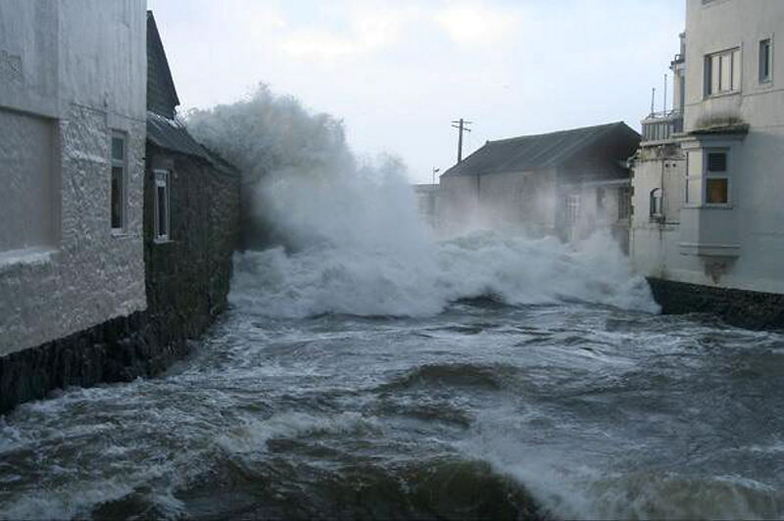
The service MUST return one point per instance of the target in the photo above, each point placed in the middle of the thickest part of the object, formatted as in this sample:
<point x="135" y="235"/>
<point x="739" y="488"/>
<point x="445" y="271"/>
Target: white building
<point x="72" y="138"/>
<point x="709" y="175"/>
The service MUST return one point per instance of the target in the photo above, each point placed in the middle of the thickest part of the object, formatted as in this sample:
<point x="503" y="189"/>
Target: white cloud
<point x="368" y="32"/>
<point x="478" y="24"/>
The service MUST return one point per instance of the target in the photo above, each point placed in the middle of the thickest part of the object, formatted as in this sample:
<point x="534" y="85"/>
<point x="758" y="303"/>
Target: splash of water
<point x="351" y="240"/>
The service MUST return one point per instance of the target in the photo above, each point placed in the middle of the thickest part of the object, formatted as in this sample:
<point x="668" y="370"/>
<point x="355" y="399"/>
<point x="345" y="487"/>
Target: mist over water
<point x="351" y="241"/>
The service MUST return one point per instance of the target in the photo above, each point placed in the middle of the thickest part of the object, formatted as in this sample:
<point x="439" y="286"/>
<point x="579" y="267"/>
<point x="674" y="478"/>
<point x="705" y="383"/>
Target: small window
<point x="765" y="60"/>
<point x="572" y="207"/>
<point x="624" y="202"/>
<point x="656" y="202"/>
<point x="600" y="198"/>
<point x="118" y="182"/>
<point x="717" y="162"/>
<point x="722" y="72"/>
<point x="162" y="206"/>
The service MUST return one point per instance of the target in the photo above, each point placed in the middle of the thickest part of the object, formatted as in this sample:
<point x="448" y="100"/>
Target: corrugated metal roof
<point x="540" y="151"/>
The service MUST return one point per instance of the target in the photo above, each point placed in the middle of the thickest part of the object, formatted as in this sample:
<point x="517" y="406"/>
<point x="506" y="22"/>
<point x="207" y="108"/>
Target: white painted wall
<point x="752" y="225"/>
<point x="513" y="200"/>
<point x="73" y="70"/>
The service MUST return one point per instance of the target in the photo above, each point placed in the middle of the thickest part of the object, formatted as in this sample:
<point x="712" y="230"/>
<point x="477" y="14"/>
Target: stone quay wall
<point x="747" y="309"/>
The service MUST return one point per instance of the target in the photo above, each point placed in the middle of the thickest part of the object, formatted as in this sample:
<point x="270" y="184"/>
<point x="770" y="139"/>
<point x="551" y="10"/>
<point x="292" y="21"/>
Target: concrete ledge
<point x="748" y="309"/>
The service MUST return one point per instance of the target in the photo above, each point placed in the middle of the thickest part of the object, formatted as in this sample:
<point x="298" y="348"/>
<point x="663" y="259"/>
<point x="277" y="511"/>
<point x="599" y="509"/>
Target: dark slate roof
<point x="163" y="129"/>
<point x="526" y="153"/>
<point x="161" y="94"/>
<point x="172" y="135"/>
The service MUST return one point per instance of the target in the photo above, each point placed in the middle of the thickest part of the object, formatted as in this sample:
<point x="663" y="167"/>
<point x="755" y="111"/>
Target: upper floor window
<point x="119" y="181"/>
<point x="722" y="72"/>
<point x="162" y="211"/>
<point x="765" y="60"/>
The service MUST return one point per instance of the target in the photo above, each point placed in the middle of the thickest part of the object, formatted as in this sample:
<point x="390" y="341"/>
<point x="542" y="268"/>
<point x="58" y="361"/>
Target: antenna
<point x="664" y="107"/>
<point x="653" y="97"/>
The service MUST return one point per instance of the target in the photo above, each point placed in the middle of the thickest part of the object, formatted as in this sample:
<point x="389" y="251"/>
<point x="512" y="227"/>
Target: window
<point x="572" y="209"/>
<point x="765" y="60"/>
<point x="162" y="212"/>
<point x="119" y="170"/>
<point x="29" y="195"/>
<point x="600" y="198"/>
<point x="716" y="178"/>
<point x="722" y="72"/>
<point x="624" y="202"/>
<point x="656" y="203"/>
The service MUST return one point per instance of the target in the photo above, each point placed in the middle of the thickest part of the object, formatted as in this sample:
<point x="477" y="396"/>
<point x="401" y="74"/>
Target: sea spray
<point x="345" y="236"/>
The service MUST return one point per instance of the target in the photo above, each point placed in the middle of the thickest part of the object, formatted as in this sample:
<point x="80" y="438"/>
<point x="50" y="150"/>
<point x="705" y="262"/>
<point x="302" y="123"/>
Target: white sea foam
<point x="571" y="487"/>
<point x="252" y="435"/>
<point x="378" y="281"/>
<point x="352" y="239"/>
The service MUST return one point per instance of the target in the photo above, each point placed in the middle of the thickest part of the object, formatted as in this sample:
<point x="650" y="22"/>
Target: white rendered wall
<point x="78" y="67"/>
<point x="514" y="200"/>
<point x="754" y="220"/>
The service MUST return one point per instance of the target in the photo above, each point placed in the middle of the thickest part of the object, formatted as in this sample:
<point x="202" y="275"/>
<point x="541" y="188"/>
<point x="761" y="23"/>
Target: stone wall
<point x="87" y="274"/>
<point x="71" y="73"/>
<point x="187" y="283"/>
<point x="749" y="309"/>
<point x="118" y="350"/>
<point x="188" y="277"/>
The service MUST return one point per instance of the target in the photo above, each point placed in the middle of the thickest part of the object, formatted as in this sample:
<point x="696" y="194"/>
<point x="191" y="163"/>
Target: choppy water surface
<point x="484" y="410"/>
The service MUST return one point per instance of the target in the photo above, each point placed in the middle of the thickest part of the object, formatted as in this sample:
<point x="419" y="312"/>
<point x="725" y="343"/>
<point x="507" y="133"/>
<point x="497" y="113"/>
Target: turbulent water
<point x="366" y="371"/>
<point x="561" y="395"/>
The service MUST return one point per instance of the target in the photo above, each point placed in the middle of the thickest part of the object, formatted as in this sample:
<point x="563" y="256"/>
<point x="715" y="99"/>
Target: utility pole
<point x="462" y="126"/>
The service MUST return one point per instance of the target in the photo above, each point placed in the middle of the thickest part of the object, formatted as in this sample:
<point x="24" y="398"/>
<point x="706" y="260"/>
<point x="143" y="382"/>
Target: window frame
<point x="122" y="164"/>
<point x="625" y="195"/>
<point x="161" y="179"/>
<point x="712" y="74"/>
<point x="572" y="208"/>
<point x="762" y="62"/>
<point x="708" y="174"/>
<point x="656" y="203"/>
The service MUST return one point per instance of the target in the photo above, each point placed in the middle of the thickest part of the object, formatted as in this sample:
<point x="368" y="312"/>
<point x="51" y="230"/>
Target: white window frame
<point x="715" y="83"/>
<point x="162" y="179"/>
<point x="572" y="208"/>
<point x="122" y="164"/>
<point x="708" y="174"/>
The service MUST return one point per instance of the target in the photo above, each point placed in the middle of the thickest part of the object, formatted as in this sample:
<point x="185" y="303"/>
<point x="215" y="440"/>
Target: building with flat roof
<point x="708" y="229"/>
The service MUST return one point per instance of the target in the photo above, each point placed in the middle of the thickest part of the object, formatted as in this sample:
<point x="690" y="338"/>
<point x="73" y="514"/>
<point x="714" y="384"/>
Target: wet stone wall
<point x="748" y="309"/>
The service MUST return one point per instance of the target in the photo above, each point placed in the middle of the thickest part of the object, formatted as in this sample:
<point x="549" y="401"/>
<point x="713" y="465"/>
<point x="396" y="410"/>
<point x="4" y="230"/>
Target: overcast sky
<point x="398" y="71"/>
